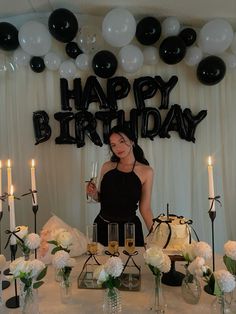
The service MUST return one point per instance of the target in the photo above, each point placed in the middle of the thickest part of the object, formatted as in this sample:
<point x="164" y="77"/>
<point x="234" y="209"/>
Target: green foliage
<point x="230" y="264"/>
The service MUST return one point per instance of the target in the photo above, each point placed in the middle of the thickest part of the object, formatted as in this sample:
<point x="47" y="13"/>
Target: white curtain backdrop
<point x="180" y="167"/>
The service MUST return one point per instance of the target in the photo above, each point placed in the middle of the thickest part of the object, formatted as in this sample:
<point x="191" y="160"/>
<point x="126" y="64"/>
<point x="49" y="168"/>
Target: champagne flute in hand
<point x="93" y="179"/>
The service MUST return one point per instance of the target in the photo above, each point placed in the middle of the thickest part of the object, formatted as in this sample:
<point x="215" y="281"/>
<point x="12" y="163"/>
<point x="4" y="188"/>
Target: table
<point x="87" y="301"/>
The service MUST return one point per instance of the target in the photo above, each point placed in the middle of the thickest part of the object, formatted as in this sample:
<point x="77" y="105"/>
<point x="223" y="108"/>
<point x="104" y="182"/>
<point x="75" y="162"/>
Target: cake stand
<point x="173" y="277"/>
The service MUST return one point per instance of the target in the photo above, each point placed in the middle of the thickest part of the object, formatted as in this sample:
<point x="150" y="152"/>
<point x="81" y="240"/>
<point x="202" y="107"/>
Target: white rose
<point x="17" y="266"/>
<point x="165" y="267"/>
<point x="23" y="231"/>
<point x="2" y="262"/>
<point x="64" y="239"/>
<point x="55" y="233"/>
<point x="230" y="249"/>
<point x="154" y="256"/>
<point x="225" y="280"/>
<point x="32" y="241"/>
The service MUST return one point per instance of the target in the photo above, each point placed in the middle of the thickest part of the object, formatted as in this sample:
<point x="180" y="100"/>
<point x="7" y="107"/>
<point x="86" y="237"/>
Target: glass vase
<point x="65" y="290"/>
<point x="158" y="305"/>
<point x="112" y="301"/>
<point x="233" y="300"/>
<point x="29" y="300"/>
<point x="220" y="305"/>
<point x="190" y="288"/>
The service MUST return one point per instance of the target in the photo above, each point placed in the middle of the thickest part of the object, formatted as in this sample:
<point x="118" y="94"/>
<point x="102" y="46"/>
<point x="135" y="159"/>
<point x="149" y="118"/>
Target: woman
<point x="126" y="184"/>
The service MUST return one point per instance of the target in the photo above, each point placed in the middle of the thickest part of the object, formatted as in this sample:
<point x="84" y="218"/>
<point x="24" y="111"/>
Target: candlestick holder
<point x="14" y="301"/>
<point x="5" y="283"/>
<point x="212" y="215"/>
<point x="131" y="274"/>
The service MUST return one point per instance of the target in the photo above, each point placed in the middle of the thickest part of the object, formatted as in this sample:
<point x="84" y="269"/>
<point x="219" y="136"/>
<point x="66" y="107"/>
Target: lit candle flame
<point x="32" y="163"/>
<point x="9" y="163"/>
<point x="12" y="190"/>
<point x="209" y="161"/>
<point x="0" y="164"/>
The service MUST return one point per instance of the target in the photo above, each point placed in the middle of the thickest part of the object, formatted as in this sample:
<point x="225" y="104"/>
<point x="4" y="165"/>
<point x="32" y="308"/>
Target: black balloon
<point x="64" y="118"/>
<point x="106" y="117"/>
<point x="8" y="36"/>
<point x="63" y="25"/>
<point x="148" y="30"/>
<point x="165" y="89"/>
<point x="104" y="64"/>
<point x="172" y="50"/>
<point x="211" y="70"/>
<point x="37" y="64"/>
<point x="73" y="50"/>
<point x="144" y="88"/>
<point x="68" y="94"/>
<point x="154" y="114"/>
<point x="191" y="122"/>
<point x="188" y="35"/>
<point x="117" y="88"/>
<point x="42" y="129"/>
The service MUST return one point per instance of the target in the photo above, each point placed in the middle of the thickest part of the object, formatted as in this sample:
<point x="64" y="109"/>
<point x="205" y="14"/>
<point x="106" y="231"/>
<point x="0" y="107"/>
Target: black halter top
<point x="120" y="193"/>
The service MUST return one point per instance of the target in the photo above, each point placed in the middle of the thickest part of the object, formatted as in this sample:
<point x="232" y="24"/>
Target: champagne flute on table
<point x="91" y="233"/>
<point x="129" y="237"/>
<point x="113" y="238"/>
<point x="93" y="178"/>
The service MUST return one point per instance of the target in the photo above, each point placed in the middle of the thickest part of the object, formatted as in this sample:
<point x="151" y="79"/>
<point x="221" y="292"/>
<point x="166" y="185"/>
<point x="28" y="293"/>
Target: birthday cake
<point x="170" y="233"/>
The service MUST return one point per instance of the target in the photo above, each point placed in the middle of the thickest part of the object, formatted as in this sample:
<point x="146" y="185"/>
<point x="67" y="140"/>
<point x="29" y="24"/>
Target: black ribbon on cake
<point x="168" y="222"/>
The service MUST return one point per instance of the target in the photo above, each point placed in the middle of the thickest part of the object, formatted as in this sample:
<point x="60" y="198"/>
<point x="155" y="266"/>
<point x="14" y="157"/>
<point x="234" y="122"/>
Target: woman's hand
<point x="92" y="190"/>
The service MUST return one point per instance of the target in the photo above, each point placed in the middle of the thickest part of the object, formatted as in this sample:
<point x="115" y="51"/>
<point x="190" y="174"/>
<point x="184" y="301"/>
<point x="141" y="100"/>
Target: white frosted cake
<point x="170" y="233"/>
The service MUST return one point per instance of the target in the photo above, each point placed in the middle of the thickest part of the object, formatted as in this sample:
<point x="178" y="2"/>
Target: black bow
<point x="10" y="235"/>
<point x="31" y="192"/>
<point x="214" y="199"/>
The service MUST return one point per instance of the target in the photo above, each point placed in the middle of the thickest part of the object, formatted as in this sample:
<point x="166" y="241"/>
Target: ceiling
<point x="187" y="11"/>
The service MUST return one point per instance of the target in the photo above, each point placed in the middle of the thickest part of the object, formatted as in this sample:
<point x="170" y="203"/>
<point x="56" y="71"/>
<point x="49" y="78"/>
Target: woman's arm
<point x="145" y="202"/>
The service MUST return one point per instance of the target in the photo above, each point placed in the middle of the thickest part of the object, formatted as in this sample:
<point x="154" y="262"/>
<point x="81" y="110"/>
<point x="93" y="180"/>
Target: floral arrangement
<point x="62" y="239"/>
<point x="196" y="249"/>
<point x="156" y="260"/>
<point x="108" y="274"/>
<point x="230" y="256"/>
<point x="224" y="282"/>
<point x="63" y="263"/>
<point x="29" y="272"/>
<point x="27" y="241"/>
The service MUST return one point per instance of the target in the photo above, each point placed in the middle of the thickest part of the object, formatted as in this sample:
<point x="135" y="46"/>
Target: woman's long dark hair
<point x="137" y="150"/>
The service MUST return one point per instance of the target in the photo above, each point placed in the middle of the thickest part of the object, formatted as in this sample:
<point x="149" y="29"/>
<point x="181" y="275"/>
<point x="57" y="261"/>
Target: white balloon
<point x="215" y="36"/>
<point x="34" y="38"/>
<point x="170" y="27"/>
<point x="229" y="60"/>
<point x="20" y="57"/>
<point x="67" y="69"/>
<point x="90" y="39"/>
<point x="130" y="58"/>
<point x="150" y="55"/>
<point x="52" y="61"/>
<point x="233" y="44"/>
<point x="193" y="56"/>
<point x="118" y="27"/>
<point x="82" y="62"/>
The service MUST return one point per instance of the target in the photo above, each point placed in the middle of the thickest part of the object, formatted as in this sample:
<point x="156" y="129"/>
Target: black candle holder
<point x="5" y="283"/>
<point x="13" y="302"/>
<point x="35" y="210"/>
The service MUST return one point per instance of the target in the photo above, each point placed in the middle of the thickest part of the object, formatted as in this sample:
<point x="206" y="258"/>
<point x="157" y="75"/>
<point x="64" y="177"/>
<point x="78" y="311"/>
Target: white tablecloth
<point x="90" y="300"/>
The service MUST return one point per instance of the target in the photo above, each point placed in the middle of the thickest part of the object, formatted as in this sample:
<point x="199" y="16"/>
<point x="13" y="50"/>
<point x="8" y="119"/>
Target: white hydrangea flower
<point x="113" y="266"/>
<point x="165" y="267"/>
<point x="197" y="266"/>
<point x="203" y="249"/>
<point x="230" y="249"/>
<point x="23" y="231"/>
<point x="2" y="262"/>
<point x="225" y="280"/>
<point x="64" y="239"/>
<point x="60" y="259"/>
<point x="36" y="267"/>
<point x="154" y="256"/>
<point x="71" y="262"/>
<point x="32" y="241"/>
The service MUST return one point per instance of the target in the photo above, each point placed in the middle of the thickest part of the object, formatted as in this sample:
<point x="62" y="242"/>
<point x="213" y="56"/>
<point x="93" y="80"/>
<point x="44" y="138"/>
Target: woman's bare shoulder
<point x="108" y="165"/>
